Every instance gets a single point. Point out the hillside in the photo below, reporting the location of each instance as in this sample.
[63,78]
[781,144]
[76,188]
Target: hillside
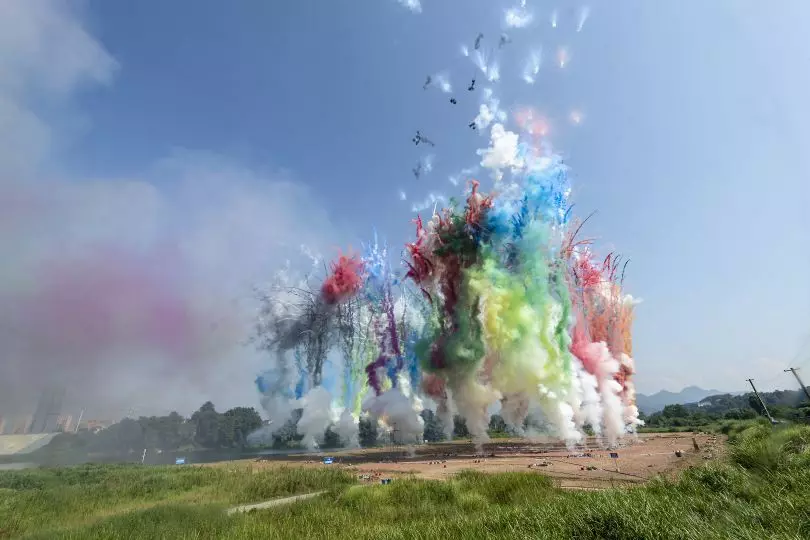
[659,400]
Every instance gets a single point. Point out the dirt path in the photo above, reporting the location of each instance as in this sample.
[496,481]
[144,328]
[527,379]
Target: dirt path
[586,467]
[274,502]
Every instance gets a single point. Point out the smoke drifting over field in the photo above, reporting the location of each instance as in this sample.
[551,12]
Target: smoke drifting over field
[131,290]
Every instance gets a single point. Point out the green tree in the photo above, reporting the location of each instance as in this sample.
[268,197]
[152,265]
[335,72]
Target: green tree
[675,411]
[237,424]
[460,427]
[207,426]
[434,429]
[497,424]
[330,439]
[754,403]
[368,432]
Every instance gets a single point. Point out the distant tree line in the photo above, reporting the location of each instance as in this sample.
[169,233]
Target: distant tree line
[208,429]
[787,405]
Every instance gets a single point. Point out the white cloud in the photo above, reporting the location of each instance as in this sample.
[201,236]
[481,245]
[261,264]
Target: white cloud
[45,55]
[503,152]
[518,17]
[414,5]
[134,291]
[489,111]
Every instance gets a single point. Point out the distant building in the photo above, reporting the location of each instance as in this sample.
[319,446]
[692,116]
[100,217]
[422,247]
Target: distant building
[65,423]
[49,408]
[22,426]
[97,425]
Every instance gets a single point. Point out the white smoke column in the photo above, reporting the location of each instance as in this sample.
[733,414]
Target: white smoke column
[554,16]
[414,5]
[561,416]
[403,196]
[317,416]
[514,410]
[348,429]
[502,153]
[576,400]
[591,401]
[400,409]
[584,13]
[610,391]
[278,409]
[443,83]
[532,66]
[631,419]
[472,400]
[465,51]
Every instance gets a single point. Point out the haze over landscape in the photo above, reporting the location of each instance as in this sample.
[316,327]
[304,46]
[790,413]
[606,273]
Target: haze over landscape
[147,185]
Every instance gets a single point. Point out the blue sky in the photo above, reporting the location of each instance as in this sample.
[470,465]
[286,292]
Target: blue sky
[240,131]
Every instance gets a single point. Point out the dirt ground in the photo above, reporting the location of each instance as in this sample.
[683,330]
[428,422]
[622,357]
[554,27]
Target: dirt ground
[586,467]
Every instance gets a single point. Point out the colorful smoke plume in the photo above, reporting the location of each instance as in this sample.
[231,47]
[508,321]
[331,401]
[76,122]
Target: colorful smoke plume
[499,303]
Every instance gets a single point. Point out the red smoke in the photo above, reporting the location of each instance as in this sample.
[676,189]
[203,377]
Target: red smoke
[344,280]
[111,299]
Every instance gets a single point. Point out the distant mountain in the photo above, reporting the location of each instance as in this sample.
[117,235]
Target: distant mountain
[656,402]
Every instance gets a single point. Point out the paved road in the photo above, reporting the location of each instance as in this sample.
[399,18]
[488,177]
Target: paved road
[274,502]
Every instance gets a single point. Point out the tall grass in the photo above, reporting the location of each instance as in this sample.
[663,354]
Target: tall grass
[762,491]
[49,499]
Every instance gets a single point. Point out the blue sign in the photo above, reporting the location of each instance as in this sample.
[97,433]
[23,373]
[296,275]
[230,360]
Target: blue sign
[327,461]
[180,461]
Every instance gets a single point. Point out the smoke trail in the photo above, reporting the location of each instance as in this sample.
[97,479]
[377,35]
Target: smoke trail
[584,13]
[443,83]
[431,201]
[563,56]
[532,66]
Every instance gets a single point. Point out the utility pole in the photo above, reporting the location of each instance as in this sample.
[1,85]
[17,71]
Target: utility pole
[751,382]
[79,422]
[801,384]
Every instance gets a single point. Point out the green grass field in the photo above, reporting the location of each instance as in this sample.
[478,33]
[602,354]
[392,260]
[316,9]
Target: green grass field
[763,491]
